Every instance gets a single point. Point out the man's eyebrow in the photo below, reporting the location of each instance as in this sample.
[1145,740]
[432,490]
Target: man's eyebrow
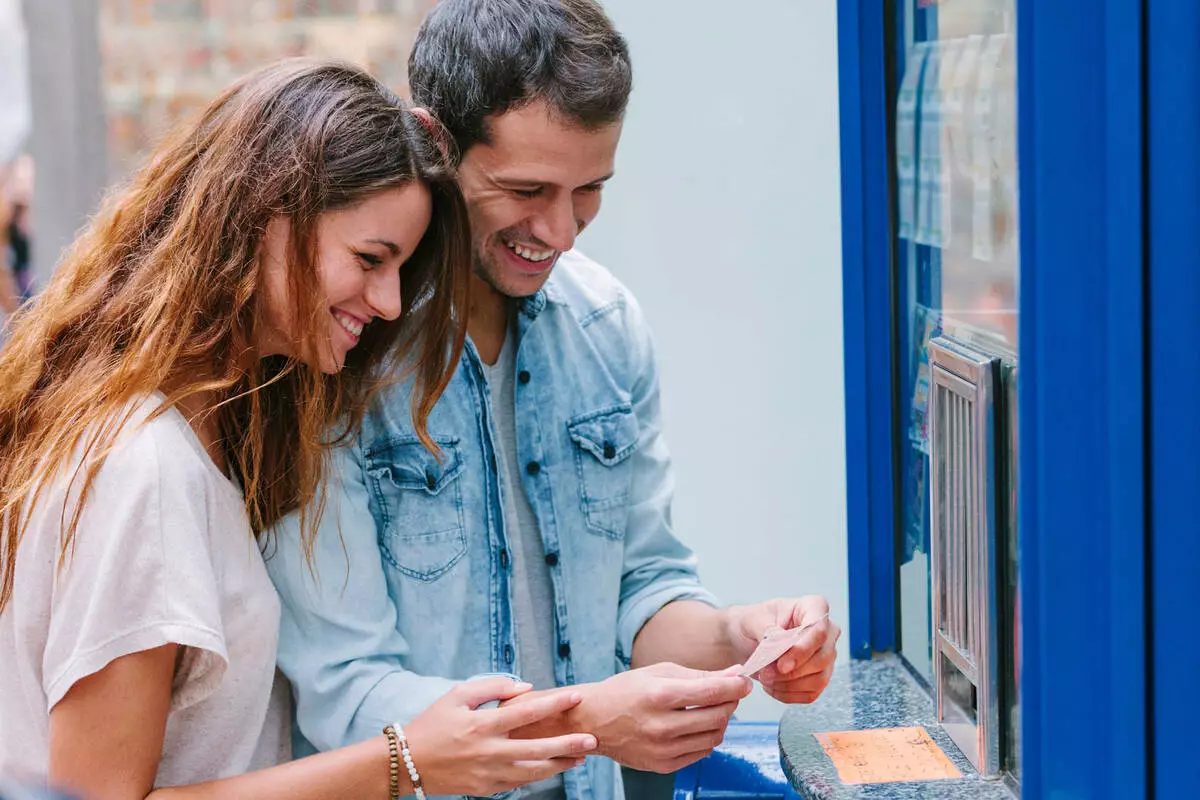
[516,181]
[605,179]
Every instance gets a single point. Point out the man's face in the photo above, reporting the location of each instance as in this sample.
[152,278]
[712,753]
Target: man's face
[531,189]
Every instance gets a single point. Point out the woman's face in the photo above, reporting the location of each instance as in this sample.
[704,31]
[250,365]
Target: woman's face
[359,254]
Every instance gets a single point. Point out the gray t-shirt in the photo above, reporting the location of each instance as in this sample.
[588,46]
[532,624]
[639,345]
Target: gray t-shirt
[532,593]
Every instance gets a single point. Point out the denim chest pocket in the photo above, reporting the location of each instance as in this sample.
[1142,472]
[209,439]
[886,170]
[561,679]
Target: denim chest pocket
[420,505]
[604,441]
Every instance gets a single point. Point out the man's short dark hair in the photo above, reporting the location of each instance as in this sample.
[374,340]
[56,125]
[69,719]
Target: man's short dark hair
[476,58]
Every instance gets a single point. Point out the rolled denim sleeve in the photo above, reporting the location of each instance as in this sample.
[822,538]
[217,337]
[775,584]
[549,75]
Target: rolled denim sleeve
[658,569]
[338,642]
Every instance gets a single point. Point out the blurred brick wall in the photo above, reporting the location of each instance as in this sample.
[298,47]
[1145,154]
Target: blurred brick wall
[164,59]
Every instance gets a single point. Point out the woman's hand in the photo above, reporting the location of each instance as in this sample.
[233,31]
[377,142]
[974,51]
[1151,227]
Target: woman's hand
[459,749]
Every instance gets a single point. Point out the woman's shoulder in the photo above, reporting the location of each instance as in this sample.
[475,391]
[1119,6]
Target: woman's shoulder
[155,444]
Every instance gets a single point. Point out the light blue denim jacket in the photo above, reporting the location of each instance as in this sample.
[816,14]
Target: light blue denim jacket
[412,589]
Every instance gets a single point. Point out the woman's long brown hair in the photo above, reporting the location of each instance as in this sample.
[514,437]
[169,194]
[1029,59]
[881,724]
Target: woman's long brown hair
[162,292]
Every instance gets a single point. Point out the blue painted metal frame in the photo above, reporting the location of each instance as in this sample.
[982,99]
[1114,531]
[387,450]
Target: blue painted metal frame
[1173,61]
[746,766]
[1083,531]
[869,325]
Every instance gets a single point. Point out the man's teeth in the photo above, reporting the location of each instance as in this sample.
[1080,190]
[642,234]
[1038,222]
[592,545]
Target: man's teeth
[352,326]
[530,255]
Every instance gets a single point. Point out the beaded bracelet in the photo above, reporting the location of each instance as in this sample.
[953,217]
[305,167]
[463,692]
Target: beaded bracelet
[393,763]
[413,775]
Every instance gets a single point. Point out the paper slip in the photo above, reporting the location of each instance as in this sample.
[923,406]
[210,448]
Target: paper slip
[773,646]
[887,755]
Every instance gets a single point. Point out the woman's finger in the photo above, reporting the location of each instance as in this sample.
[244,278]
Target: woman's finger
[473,694]
[569,746]
[527,712]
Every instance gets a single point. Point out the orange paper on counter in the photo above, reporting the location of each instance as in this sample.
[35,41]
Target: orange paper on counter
[887,755]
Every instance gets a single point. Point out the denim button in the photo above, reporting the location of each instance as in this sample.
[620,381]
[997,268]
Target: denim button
[504,559]
[508,653]
[430,481]
[610,452]
[552,559]
[533,468]
[564,650]
[523,376]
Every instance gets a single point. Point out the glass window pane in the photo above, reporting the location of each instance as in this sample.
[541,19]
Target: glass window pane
[957,253]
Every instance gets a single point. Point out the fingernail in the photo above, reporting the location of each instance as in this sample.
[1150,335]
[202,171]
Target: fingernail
[590,743]
[576,698]
[523,686]
[787,666]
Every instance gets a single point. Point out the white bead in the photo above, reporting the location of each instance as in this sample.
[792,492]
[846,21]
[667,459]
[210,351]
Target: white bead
[408,760]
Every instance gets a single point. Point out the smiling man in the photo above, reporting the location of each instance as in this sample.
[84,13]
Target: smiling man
[540,542]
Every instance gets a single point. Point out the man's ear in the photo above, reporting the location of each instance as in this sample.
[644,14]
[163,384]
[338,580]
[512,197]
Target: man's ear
[436,130]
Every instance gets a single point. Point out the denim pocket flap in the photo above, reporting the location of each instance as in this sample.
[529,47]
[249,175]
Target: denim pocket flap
[409,465]
[610,434]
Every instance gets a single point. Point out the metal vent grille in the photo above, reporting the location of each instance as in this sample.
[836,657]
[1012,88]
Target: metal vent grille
[963,544]
[957,474]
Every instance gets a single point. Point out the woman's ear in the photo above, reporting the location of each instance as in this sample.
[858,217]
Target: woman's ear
[426,117]
[437,132]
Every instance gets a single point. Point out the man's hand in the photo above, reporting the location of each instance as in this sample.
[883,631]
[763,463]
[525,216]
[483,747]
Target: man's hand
[658,718]
[802,673]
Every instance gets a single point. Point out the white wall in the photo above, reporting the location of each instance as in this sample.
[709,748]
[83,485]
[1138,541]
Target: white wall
[14,82]
[69,148]
[724,219]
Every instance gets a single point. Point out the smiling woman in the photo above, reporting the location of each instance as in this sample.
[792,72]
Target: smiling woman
[359,253]
[171,394]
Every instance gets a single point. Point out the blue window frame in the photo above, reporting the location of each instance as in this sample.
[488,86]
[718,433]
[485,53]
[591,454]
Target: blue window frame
[1173,67]
[1109,143]
[1082,535]
[868,305]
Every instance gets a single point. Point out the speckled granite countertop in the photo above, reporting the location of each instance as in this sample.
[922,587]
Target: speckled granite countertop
[872,694]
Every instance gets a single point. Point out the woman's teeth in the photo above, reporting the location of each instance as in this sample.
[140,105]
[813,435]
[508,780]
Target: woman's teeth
[528,254]
[352,326]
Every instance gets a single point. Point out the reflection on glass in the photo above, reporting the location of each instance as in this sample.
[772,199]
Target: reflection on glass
[164,59]
[958,250]
[962,697]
